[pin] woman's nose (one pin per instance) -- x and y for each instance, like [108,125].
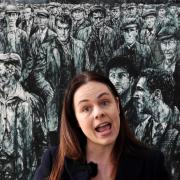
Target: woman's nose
[98,112]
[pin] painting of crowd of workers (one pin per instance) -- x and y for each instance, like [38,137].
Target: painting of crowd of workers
[43,46]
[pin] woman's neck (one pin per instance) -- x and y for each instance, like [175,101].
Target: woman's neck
[98,153]
[102,156]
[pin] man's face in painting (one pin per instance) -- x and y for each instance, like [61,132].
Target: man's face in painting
[97,19]
[27,13]
[130,34]
[11,18]
[141,96]
[168,47]
[115,12]
[78,14]
[63,31]
[42,22]
[150,21]
[121,79]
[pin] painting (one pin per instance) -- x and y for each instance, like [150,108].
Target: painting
[44,44]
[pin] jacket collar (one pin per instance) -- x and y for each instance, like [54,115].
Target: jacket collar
[18,93]
[76,169]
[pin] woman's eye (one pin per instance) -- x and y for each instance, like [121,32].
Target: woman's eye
[105,103]
[86,109]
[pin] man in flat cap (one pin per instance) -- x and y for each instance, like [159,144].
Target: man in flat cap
[80,21]
[140,8]
[169,59]
[115,23]
[99,39]
[148,33]
[59,59]
[41,33]
[139,54]
[27,21]
[15,40]
[42,19]
[65,9]
[168,47]
[132,10]
[115,14]
[172,7]
[54,10]
[124,10]
[133,13]
[2,15]
[16,117]
[161,15]
[39,40]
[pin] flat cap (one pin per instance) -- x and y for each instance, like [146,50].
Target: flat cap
[148,12]
[114,5]
[123,5]
[140,5]
[129,22]
[52,4]
[65,8]
[11,58]
[148,6]
[161,6]
[131,5]
[97,8]
[11,9]
[167,32]
[171,4]
[77,7]
[21,6]
[42,12]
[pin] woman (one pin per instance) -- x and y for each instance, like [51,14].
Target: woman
[95,141]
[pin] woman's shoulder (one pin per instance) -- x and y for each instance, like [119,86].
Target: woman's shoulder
[147,164]
[148,154]
[45,167]
[153,163]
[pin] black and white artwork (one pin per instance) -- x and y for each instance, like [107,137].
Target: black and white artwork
[44,43]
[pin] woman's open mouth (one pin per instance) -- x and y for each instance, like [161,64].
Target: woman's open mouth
[104,128]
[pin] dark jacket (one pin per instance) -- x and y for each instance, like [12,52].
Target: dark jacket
[139,54]
[147,166]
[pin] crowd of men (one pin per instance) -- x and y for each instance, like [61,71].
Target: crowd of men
[43,46]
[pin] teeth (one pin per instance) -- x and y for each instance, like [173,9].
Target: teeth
[103,127]
[103,124]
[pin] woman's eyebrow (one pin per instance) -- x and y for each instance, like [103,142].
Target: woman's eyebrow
[102,94]
[84,100]
[99,96]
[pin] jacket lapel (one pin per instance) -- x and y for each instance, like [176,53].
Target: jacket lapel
[76,170]
[129,168]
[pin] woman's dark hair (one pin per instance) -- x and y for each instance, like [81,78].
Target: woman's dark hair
[72,141]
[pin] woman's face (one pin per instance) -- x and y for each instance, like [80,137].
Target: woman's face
[97,112]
